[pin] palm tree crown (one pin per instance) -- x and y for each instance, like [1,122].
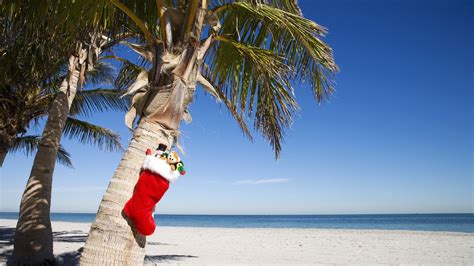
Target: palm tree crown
[250,54]
[37,38]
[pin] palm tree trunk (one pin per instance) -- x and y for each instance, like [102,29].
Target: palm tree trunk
[33,234]
[111,240]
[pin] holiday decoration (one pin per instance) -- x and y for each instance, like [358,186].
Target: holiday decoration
[158,170]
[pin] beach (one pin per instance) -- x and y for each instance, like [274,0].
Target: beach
[211,245]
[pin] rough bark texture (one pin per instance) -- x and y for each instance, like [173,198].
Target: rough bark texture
[111,239]
[33,234]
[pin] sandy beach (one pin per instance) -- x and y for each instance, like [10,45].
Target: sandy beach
[193,245]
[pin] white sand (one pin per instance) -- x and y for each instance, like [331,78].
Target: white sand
[192,245]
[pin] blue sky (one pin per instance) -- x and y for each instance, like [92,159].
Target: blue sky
[397,136]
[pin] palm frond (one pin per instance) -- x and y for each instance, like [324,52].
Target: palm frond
[89,133]
[250,76]
[261,50]
[286,5]
[239,117]
[287,33]
[20,107]
[102,72]
[264,60]
[274,112]
[36,36]
[88,102]
[29,145]
[136,19]
[64,157]
[127,75]
[26,144]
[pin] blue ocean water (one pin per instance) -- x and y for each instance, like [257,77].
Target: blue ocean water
[419,222]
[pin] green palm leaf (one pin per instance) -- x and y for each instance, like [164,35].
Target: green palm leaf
[89,133]
[102,72]
[88,102]
[29,145]
[287,5]
[239,117]
[64,157]
[249,68]
[289,34]
[127,74]
[261,50]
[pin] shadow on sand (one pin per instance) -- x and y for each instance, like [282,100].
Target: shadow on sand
[72,258]
[6,243]
[7,235]
[166,258]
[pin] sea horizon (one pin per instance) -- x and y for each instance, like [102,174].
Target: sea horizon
[445,222]
[273,214]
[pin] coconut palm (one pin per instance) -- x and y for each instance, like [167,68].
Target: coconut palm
[22,108]
[85,103]
[29,56]
[79,26]
[247,54]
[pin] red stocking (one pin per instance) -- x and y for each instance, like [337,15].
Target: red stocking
[139,209]
[151,186]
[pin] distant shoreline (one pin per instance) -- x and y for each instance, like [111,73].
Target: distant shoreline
[460,222]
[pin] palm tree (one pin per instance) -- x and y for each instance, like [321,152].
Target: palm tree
[23,107]
[247,54]
[77,28]
[85,103]
[24,62]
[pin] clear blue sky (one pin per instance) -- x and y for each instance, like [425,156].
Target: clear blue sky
[397,137]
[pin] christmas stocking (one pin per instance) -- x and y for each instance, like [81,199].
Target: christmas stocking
[156,173]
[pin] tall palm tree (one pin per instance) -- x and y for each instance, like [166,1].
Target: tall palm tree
[23,107]
[84,104]
[78,26]
[247,54]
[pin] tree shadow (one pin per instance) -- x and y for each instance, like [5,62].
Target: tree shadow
[75,236]
[69,258]
[166,258]
[151,243]
[6,243]
[7,235]
[6,256]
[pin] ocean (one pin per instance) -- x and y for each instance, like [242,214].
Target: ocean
[461,222]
